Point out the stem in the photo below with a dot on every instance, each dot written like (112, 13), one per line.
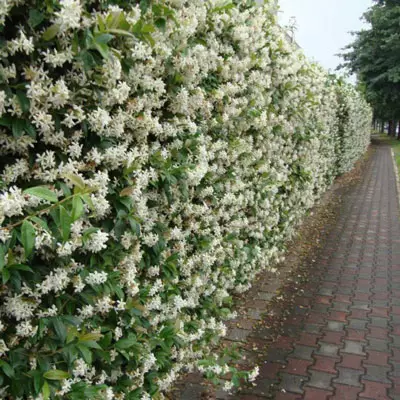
(45, 210)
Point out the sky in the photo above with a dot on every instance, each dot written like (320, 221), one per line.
(324, 26)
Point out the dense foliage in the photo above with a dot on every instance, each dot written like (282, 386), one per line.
(154, 158)
(375, 57)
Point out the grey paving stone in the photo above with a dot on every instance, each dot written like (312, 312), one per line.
(321, 380)
(376, 373)
(292, 383)
(327, 349)
(303, 352)
(377, 345)
(359, 324)
(335, 326)
(353, 347)
(348, 376)
(379, 322)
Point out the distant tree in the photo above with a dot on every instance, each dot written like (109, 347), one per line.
(374, 57)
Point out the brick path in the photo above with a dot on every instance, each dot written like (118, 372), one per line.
(347, 344)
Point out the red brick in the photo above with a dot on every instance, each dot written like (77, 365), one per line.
(396, 310)
(281, 396)
(325, 364)
(297, 367)
(377, 358)
(316, 394)
(359, 314)
(381, 281)
(379, 312)
(333, 337)
(380, 296)
(343, 298)
(396, 385)
(303, 301)
(344, 392)
(354, 334)
(270, 370)
(375, 390)
(352, 361)
(378, 333)
(396, 355)
(308, 339)
(338, 316)
(361, 296)
(396, 330)
(316, 318)
(284, 342)
(323, 299)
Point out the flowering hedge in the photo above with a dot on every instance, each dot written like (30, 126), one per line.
(154, 158)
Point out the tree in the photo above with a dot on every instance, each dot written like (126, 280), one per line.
(374, 57)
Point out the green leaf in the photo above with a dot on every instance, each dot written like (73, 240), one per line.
(18, 127)
(86, 353)
(2, 257)
(23, 101)
(76, 180)
(104, 38)
(20, 267)
(46, 391)
(51, 32)
(35, 18)
(125, 343)
(60, 329)
(77, 208)
(65, 222)
(7, 369)
(56, 375)
(5, 274)
(43, 193)
(161, 24)
(28, 235)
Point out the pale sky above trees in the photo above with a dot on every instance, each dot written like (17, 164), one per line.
(323, 26)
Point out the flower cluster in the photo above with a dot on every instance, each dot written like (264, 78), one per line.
(154, 158)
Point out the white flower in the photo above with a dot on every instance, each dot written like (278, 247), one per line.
(69, 16)
(25, 329)
(97, 241)
(96, 278)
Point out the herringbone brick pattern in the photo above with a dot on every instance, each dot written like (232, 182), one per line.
(346, 345)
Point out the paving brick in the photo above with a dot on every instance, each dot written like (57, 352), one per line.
(333, 337)
(292, 383)
(328, 349)
(284, 396)
(335, 326)
(345, 392)
(316, 394)
(321, 380)
(379, 322)
(325, 364)
(348, 376)
(377, 358)
(357, 323)
(377, 345)
(303, 352)
(269, 370)
(378, 333)
(308, 339)
(376, 373)
(297, 367)
(374, 391)
(358, 314)
(356, 335)
(352, 361)
(338, 316)
(353, 347)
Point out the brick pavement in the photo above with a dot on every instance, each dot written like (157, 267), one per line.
(347, 343)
